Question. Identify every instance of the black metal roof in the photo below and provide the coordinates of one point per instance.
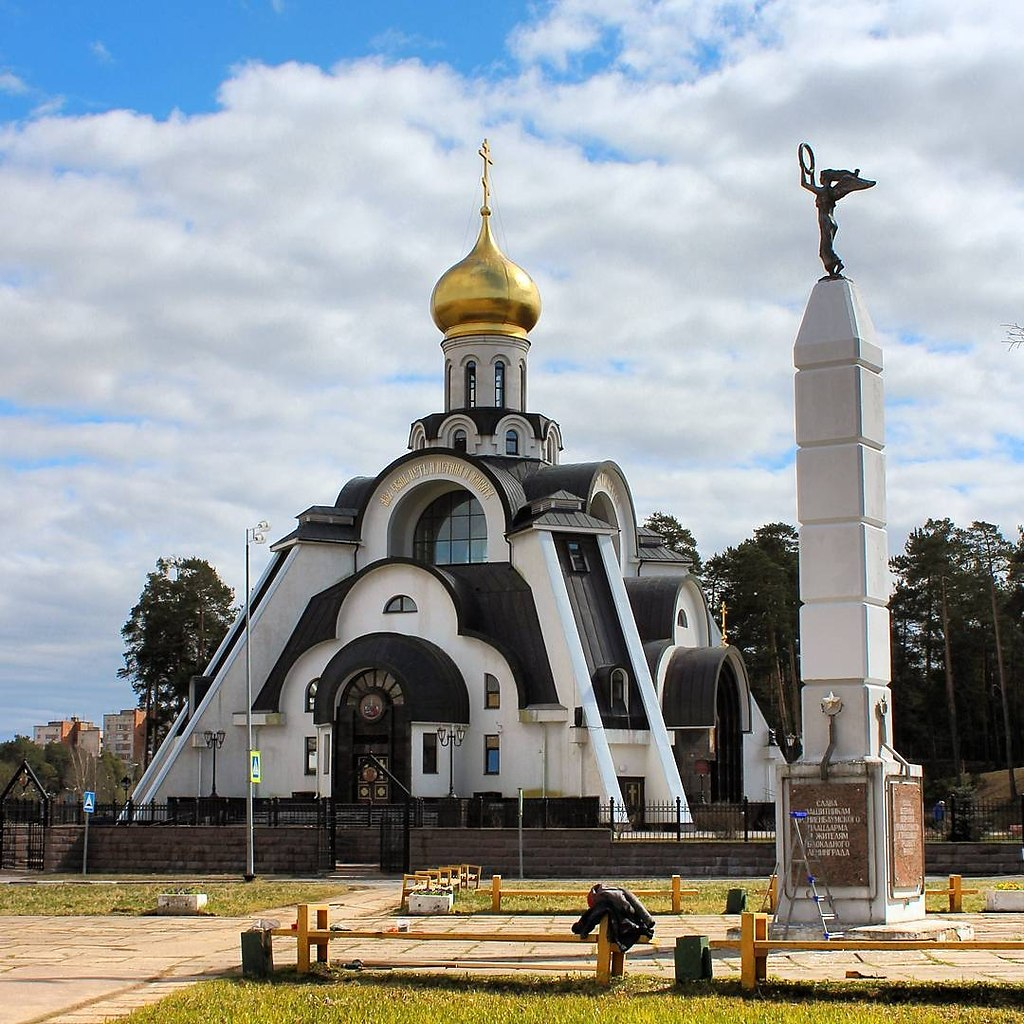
(691, 686)
(653, 600)
(492, 602)
(485, 419)
(432, 685)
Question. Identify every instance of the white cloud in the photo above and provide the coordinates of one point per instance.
(11, 84)
(202, 315)
(99, 50)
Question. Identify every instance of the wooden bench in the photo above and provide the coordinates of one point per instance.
(453, 876)
(754, 946)
(676, 892)
(312, 930)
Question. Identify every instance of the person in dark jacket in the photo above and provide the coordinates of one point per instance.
(628, 919)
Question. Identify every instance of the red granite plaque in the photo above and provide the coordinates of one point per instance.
(835, 832)
(906, 835)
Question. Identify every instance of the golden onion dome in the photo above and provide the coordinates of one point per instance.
(485, 293)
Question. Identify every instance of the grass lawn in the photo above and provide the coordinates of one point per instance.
(407, 999)
(226, 898)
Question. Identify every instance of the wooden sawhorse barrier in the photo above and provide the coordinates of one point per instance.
(675, 891)
(754, 946)
(311, 932)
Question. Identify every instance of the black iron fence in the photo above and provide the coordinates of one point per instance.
(747, 821)
(957, 818)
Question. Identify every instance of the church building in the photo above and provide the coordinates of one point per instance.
(479, 616)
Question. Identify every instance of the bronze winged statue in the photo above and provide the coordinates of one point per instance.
(832, 186)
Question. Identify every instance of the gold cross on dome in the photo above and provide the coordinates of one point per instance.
(485, 153)
(725, 638)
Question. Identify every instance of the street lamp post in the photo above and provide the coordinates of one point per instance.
(214, 740)
(254, 535)
(125, 784)
(451, 736)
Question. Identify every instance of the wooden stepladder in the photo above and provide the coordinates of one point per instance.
(812, 878)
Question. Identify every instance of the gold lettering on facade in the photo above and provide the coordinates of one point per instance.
(436, 468)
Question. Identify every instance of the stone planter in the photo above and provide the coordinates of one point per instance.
(1011, 900)
(424, 903)
(180, 902)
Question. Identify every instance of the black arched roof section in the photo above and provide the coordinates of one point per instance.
(691, 686)
(485, 419)
(493, 603)
(578, 479)
(424, 454)
(431, 682)
(653, 600)
(356, 492)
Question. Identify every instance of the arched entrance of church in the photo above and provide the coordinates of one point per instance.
(371, 693)
(706, 701)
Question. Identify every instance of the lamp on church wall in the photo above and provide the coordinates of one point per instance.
(451, 736)
(254, 535)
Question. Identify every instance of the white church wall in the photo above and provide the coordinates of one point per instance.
(690, 602)
(760, 757)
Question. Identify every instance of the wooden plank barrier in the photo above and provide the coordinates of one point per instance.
(675, 891)
(754, 945)
(955, 891)
(311, 931)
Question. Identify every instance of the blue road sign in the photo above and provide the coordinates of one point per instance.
(88, 802)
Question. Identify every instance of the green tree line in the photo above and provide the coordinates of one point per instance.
(957, 612)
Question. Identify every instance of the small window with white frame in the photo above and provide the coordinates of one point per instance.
(492, 755)
(619, 686)
(400, 603)
(310, 755)
(492, 691)
(310, 699)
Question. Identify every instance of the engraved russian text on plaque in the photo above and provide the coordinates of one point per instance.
(906, 835)
(835, 831)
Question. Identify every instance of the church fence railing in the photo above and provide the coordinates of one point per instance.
(749, 821)
(957, 818)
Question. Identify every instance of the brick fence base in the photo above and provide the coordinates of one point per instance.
(547, 853)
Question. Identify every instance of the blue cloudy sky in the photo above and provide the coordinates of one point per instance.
(220, 224)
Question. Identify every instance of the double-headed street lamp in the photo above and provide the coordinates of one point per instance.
(254, 535)
(451, 736)
(214, 741)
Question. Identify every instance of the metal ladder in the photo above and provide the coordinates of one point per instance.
(799, 846)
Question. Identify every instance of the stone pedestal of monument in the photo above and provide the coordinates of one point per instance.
(864, 826)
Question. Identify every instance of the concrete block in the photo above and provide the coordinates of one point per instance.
(841, 482)
(836, 328)
(844, 640)
(844, 562)
(839, 404)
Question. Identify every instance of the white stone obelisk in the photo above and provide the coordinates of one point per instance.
(864, 823)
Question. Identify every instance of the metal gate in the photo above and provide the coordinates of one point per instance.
(395, 824)
(23, 821)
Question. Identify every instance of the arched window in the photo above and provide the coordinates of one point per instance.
(459, 440)
(681, 619)
(400, 603)
(492, 691)
(421, 443)
(522, 386)
(311, 695)
(451, 531)
(619, 690)
(448, 387)
(511, 442)
(499, 384)
(471, 385)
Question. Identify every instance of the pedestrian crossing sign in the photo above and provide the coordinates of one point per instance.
(88, 802)
(255, 766)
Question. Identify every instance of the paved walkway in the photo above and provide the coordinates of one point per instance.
(81, 970)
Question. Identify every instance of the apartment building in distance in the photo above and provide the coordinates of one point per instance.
(124, 735)
(72, 732)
